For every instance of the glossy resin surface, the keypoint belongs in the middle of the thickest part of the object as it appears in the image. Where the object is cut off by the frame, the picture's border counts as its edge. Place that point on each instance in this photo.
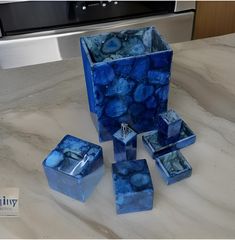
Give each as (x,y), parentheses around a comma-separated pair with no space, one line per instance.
(169,123)
(157,144)
(124,144)
(173,167)
(127,77)
(74,167)
(127,43)
(133,186)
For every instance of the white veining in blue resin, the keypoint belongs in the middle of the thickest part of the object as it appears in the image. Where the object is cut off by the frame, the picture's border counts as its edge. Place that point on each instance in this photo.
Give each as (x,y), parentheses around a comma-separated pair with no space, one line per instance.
(173,167)
(173,163)
(126,43)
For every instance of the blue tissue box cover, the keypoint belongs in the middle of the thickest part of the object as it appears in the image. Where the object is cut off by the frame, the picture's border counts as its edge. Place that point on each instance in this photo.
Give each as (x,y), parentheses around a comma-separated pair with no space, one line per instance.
(124,146)
(157,144)
(127,76)
(169,123)
(74,167)
(133,186)
(173,167)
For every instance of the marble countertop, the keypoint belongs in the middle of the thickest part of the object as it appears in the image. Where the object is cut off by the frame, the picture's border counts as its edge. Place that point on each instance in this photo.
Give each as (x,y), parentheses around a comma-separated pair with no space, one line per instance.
(40,104)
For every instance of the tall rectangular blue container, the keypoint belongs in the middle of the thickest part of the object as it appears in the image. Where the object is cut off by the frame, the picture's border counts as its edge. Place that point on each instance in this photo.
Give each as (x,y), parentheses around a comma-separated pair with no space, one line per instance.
(127,77)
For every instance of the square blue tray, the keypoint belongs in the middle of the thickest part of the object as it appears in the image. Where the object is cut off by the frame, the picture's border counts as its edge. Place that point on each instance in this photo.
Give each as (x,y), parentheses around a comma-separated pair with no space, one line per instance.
(157,145)
(173,167)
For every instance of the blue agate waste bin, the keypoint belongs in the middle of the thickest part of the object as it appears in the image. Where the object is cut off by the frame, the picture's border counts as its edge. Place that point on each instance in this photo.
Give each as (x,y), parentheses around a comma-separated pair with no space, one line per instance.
(127,76)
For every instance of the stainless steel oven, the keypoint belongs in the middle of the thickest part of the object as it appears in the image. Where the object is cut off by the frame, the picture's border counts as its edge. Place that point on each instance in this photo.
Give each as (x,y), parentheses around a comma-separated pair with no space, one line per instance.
(34,32)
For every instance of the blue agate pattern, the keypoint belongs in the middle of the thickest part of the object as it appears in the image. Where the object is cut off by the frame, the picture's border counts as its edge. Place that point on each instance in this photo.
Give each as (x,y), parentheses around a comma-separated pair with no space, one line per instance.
(169,123)
(133,186)
(127,77)
(74,167)
(173,167)
(125,144)
(157,144)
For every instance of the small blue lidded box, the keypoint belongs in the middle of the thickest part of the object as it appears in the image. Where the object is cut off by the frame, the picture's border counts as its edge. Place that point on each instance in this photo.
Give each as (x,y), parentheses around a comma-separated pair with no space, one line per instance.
(169,123)
(74,167)
(173,167)
(133,186)
(124,143)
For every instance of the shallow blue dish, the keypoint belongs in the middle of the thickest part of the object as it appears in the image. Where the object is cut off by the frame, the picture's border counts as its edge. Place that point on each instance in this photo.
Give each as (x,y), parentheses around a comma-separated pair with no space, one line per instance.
(173,167)
(127,76)
(74,167)
(157,144)
(133,186)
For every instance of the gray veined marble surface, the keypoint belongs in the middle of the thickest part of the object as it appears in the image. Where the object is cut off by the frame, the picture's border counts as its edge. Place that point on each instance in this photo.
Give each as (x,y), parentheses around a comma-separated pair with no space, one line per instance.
(40,104)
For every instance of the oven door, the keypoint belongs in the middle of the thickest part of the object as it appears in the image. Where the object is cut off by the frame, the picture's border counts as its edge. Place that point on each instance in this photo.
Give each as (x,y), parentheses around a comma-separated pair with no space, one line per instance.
(55,45)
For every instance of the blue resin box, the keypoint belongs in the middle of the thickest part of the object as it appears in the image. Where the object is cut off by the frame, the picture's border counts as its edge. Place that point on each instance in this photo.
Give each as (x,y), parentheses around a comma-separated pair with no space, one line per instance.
(169,123)
(124,143)
(127,77)
(133,186)
(74,167)
(157,144)
(173,167)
